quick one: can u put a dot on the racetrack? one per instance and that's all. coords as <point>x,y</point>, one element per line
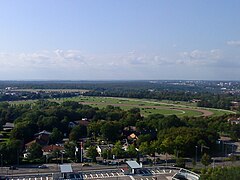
<point>181,109</point>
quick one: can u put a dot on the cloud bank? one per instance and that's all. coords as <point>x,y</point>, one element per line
<point>233,43</point>
<point>78,65</point>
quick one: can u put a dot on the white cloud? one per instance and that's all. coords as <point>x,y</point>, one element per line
<point>42,59</point>
<point>233,43</point>
<point>143,59</point>
<point>74,64</point>
<point>198,57</point>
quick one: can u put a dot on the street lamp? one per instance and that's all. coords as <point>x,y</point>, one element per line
<point>196,153</point>
<point>1,160</point>
<point>213,162</point>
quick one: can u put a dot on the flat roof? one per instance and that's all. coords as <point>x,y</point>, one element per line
<point>66,168</point>
<point>133,164</point>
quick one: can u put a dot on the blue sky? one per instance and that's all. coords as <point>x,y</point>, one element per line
<point>119,39</point>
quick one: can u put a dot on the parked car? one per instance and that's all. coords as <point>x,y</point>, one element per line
<point>42,166</point>
<point>12,168</point>
<point>86,165</point>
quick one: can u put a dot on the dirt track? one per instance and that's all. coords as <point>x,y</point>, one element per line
<point>204,112</point>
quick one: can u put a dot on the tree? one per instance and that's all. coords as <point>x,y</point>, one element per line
<point>144,148</point>
<point>144,138</point>
<point>92,153</point>
<point>206,159</point>
<point>56,136</point>
<point>48,123</point>
<point>110,130</point>
<point>107,154</point>
<point>180,162</point>
<point>35,151</point>
<point>94,128</point>
<point>170,121</point>
<point>70,149</point>
<point>11,151</point>
<point>220,173</point>
<point>131,151</point>
<point>24,131</point>
<point>117,150</point>
<point>78,132</point>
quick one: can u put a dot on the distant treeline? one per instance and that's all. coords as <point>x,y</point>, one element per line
<point>120,85</point>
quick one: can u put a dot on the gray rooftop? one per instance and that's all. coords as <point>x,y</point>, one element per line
<point>66,168</point>
<point>133,164</point>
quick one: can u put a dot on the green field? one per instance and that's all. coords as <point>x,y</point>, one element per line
<point>146,106</point>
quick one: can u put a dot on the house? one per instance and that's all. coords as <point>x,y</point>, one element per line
<point>41,138</point>
<point>125,144</point>
<point>235,105</point>
<point>72,124</point>
<point>8,126</point>
<point>133,137</point>
<point>195,100</point>
<point>47,150</point>
<point>234,120</point>
<point>83,122</point>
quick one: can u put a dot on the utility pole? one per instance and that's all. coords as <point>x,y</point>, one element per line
<point>1,163</point>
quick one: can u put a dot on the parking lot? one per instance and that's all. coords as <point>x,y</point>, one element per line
<point>143,174</point>
<point>102,174</point>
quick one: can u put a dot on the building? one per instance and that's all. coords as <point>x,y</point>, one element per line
<point>48,150</point>
<point>133,167</point>
<point>234,120</point>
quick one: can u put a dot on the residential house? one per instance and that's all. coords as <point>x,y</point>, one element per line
<point>41,138</point>
<point>48,150</point>
<point>234,120</point>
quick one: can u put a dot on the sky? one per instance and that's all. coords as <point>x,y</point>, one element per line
<point>119,39</point>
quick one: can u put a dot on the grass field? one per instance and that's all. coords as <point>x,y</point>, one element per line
<point>146,106</point>
<point>149,106</point>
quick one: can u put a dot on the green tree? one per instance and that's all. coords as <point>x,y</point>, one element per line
<point>110,131</point>
<point>220,173</point>
<point>170,121</point>
<point>24,131</point>
<point>180,162</point>
<point>144,148</point>
<point>11,151</point>
<point>131,151</point>
<point>56,136</point>
<point>117,150</point>
<point>35,151</point>
<point>78,132</point>
<point>107,154</point>
<point>92,153</point>
<point>70,149</point>
<point>206,159</point>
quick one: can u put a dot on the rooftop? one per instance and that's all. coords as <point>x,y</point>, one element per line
<point>133,164</point>
<point>66,168</point>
